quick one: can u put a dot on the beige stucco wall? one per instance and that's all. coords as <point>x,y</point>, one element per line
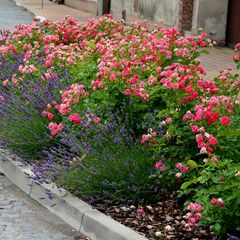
<point>211,15</point>
<point>85,5</point>
<point>165,10</point>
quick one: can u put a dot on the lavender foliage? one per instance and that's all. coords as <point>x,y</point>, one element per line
<point>23,128</point>
<point>103,162</point>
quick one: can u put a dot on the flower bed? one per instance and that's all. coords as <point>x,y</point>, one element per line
<point>125,117</point>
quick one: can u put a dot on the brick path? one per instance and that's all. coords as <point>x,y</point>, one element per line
<point>21,218</point>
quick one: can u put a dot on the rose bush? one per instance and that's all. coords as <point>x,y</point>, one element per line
<point>184,128</point>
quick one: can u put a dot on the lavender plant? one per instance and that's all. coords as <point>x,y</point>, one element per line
<point>107,163</point>
<point>23,129</point>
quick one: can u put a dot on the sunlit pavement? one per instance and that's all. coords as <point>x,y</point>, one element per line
<point>218,57</point>
<point>11,14</point>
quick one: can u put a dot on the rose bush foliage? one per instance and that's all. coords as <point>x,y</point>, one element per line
<point>189,122</point>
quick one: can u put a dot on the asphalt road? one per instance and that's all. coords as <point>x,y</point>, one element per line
<point>11,14</point>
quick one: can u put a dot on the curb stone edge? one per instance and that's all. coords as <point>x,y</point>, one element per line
<point>75,212</point>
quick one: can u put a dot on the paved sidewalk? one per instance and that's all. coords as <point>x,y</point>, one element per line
<point>21,218</point>
<point>218,57</point>
<point>54,11</point>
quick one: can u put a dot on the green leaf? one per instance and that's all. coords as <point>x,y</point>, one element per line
<point>192,164</point>
<point>217,228</point>
<point>185,185</point>
<point>203,179</point>
<point>153,176</point>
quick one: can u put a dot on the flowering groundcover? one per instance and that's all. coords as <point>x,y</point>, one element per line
<point>124,116</point>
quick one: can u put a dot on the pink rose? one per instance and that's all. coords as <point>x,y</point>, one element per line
<point>127,92</point>
<point>195,129</point>
<point>75,118</point>
<point>178,175</point>
<point>60,127</point>
<point>169,120</point>
<point>192,221</point>
<point>96,119</point>
<point>191,207</point>
<point>220,203</point>
<point>158,164</point>
<point>50,116</point>
<point>146,137</point>
<point>199,138</point>
<point>178,165</point>
<point>163,168</point>
<point>140,211</point>
<point>44,113</point>
<point>203,150</point>
<point>5,82</point>
<point>55,128</point>
<point>213,201</point>
<point>184,169</point>
<point>112,77</point>
<point>197,216</point>
<point>212,140</point>
<point>48,63</point>
<point>198,207</point>
<point>194,207</point>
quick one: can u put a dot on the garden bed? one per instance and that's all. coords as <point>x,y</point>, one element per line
<point>163,220</point>
<point>125,119</point>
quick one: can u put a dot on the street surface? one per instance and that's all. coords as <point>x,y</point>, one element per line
<point>22,218</point>
<point>11,14</point>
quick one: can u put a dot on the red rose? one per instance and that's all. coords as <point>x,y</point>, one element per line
<point>225,120</point>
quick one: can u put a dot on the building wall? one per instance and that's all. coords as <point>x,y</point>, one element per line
<point>211,15</point>
<point>187,15</point>
<point>85,5</point>
<point>165,10</point>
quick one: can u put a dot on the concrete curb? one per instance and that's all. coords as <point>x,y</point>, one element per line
<point>31,11</point>
<point>75,212</point>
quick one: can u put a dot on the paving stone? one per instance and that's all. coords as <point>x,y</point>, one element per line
<point>6,224</point>
<point>8,219</point>
<point>4,206</point>
<point>21,218</point>
<point>2,196</point>
<point>5,202</point>
<point>217,58</point>
<point>18,203</point>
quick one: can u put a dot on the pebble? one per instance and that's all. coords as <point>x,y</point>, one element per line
<point>158,234</point>
<point>177,222</point>
<point>149,226</point>
<point>168,228</point>
<point>124,208</point>
<point>169,219</point>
